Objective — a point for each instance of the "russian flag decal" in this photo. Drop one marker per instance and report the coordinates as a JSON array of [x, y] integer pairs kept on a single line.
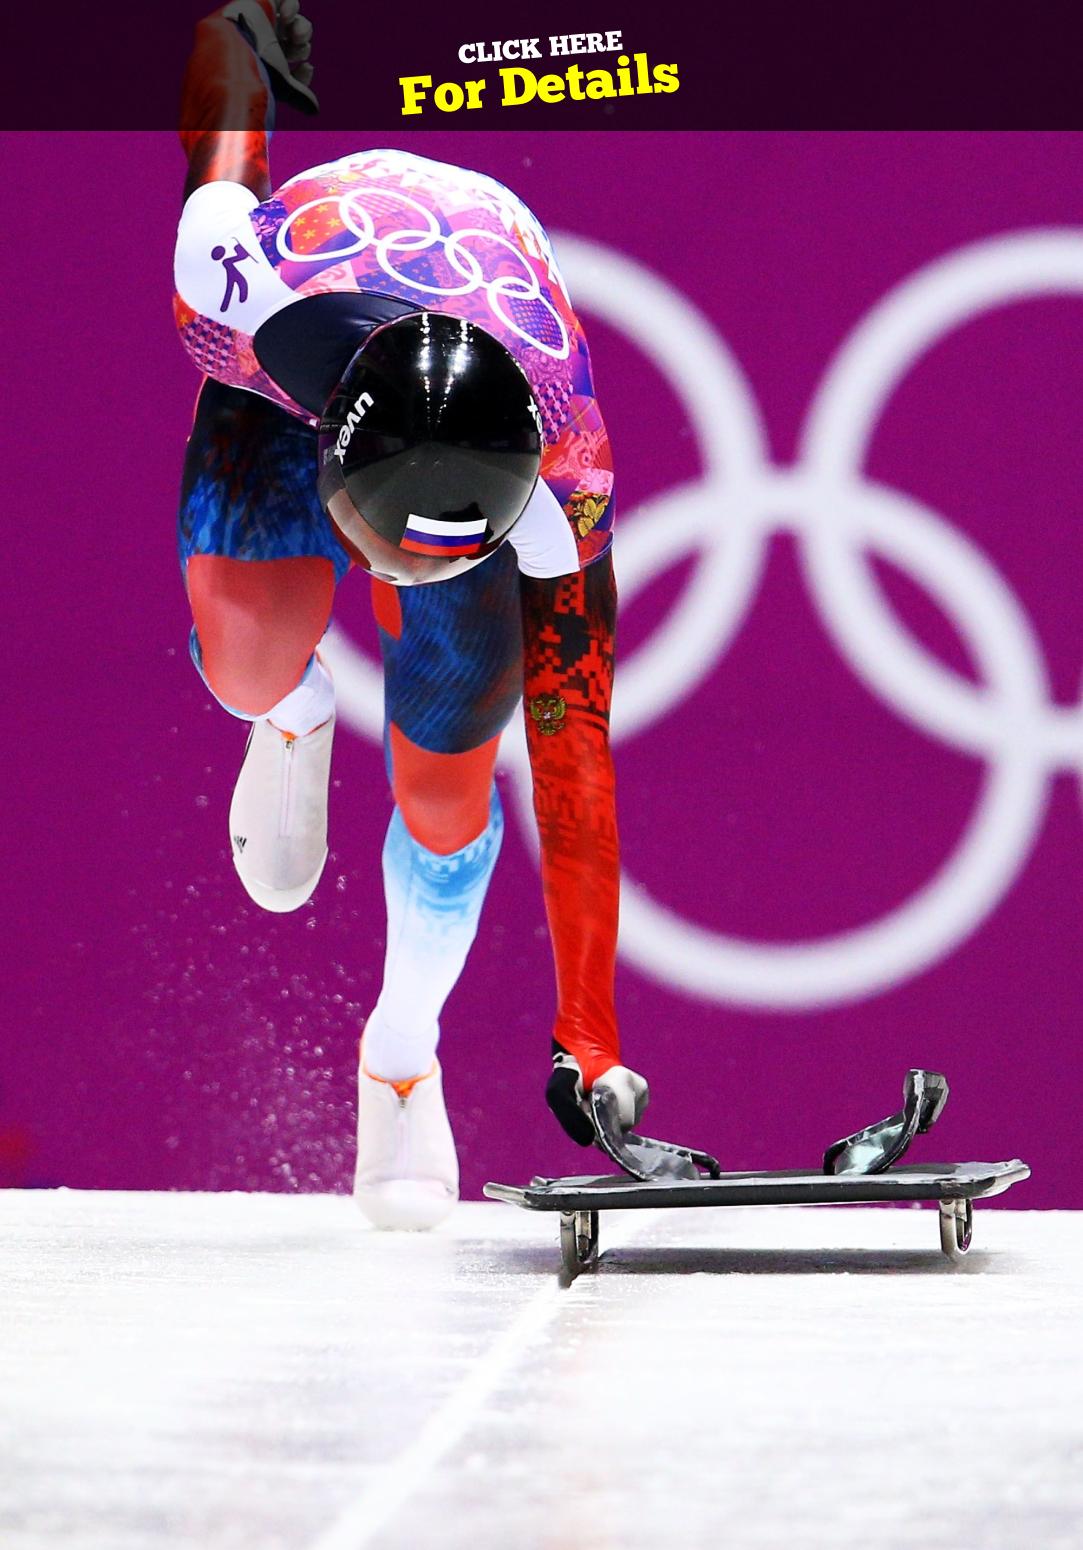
[[436, 535]]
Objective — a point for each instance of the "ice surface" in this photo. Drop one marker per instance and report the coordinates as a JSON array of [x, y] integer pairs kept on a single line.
[[234, 1371]]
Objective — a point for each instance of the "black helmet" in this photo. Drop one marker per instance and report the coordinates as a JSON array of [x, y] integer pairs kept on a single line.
[[429, 448]]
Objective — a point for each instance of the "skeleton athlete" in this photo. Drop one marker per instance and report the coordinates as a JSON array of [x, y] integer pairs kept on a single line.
[[395, 380]]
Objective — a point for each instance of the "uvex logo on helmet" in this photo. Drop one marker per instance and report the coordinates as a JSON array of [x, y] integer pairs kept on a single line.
[[353, 420]]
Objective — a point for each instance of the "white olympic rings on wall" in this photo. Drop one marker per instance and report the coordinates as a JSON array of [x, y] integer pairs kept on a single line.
[[839, 517]]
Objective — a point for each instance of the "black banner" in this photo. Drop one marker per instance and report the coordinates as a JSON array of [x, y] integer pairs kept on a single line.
[[787, 64]]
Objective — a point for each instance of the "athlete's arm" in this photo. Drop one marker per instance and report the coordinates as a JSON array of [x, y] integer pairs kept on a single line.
[[568, 629], [227, 93], [569, 607], [247, 55]]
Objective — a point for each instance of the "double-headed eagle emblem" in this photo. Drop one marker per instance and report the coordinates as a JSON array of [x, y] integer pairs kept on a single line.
[[548, 711]]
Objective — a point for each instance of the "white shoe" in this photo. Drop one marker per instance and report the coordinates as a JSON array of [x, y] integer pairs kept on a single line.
[[278, 816], [407, 1171]]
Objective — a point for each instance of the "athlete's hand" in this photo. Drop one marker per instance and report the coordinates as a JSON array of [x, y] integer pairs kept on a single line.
[[294, 33], [282, 38], [569, 1102]]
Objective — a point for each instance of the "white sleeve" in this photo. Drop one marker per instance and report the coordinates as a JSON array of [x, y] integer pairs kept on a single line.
[[217, 216], [542, 538]]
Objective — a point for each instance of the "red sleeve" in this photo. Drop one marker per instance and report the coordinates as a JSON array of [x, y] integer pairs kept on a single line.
[[225, 102], [568, 630]]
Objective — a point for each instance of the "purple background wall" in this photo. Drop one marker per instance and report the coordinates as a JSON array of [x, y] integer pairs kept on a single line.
[[158, 1032]]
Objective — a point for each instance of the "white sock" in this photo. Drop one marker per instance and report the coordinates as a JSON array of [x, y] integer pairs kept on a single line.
[[309, 705], [395, 1055], [433, 906]]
